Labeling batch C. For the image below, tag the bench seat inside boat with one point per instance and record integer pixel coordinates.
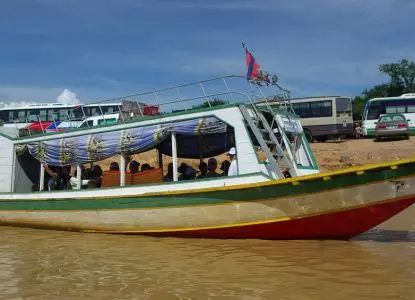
(111, 178)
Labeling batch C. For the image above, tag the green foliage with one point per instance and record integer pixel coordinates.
(402, 80)
(402, 74)
(210, 103)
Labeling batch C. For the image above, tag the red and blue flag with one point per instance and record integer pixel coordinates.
(253, 67)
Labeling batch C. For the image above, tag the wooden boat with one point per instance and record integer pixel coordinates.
(259, 202)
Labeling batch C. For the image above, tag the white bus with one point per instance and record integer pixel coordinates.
(404, 104)
(324, 117)
(57, 116)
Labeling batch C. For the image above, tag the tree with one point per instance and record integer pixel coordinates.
(214, 102)
(402, 74)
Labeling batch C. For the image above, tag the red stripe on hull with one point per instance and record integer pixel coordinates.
(338, 225)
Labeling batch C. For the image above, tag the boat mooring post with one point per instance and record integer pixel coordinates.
(122, 169)
(41, 177)
(174, 155)
(78, 177)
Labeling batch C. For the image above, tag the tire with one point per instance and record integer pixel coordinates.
(377, 139)
(322, 139)
(308, 135)
(407, 137)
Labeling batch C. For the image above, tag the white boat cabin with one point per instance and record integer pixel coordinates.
(269, 145)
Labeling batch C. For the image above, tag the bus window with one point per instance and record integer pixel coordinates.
(302, 109)
(410, 109)
(43, 115)
(395, 109)
(21, 116)
(4, 116)
(53, 115)
(11, 115)
(321, 109)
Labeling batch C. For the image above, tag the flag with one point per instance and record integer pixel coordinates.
(253, 67)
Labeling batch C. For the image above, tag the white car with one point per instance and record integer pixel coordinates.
(100, 120)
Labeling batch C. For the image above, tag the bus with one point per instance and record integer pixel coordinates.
(53, 116)
(324, 116)
(375, 107)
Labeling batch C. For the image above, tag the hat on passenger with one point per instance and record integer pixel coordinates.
(232, 151)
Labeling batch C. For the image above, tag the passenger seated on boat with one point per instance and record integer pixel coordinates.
(212, 166)
(134, 167)
(203, 169)
(225, 167)
(181, 169)
(146, 167)
(60, 177)
(169, 175)
(114, 167)
(74, 181)
(233, 168)
(189, 173)
(96, 175)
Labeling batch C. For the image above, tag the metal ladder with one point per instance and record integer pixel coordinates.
(266, 138)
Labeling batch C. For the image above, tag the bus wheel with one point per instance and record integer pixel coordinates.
(321, 139)
(308, 135)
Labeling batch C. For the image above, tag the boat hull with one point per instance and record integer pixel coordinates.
(336, 205)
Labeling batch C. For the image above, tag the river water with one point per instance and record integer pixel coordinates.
(41, 264)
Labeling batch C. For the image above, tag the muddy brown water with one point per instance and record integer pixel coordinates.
(42, 264)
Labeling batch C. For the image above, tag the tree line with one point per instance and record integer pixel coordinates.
(401, 81)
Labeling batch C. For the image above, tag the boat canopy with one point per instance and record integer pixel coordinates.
(98, 146)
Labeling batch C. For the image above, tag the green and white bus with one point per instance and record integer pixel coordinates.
(404, 104)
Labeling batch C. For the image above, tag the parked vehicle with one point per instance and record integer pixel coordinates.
(392, 125)
(99, 120)
(404, 105)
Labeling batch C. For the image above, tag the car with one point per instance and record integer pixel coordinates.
(392, 125)
(99, 120)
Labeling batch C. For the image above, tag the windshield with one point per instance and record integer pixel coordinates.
(375, 109)
(343, 105)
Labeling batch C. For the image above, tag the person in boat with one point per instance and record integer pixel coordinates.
(114, 167)
(182, 169)
(146, 167)
(169, 175)
(96, 176)
(134, 167)
(225, 167)
(189, 173)
(203, 169)
(212, 166)
(233, 168)
(59, 177)
(74, 181)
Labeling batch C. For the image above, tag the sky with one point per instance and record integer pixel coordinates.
(99, 49)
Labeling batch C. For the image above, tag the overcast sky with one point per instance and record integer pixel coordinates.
(104, 48)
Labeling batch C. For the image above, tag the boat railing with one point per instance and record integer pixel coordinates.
(206, 93)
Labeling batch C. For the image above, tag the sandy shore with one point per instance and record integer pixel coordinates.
(351, 153)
